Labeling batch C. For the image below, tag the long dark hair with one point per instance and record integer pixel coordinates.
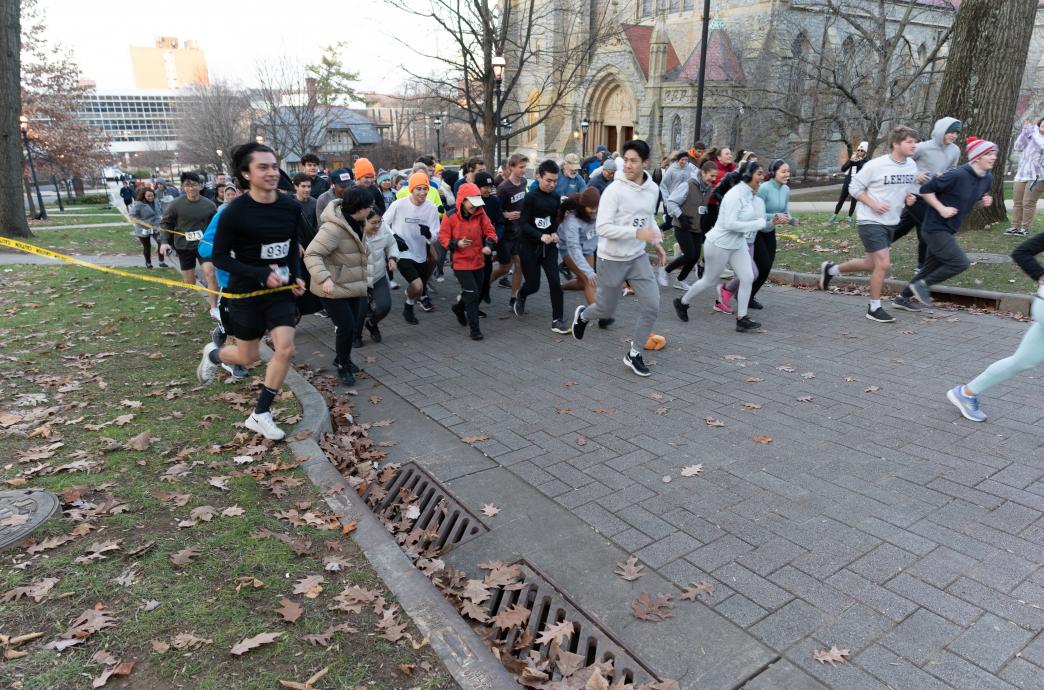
(577, 204)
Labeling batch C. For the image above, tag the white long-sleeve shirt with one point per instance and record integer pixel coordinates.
(740, 216)
(625, 208)
(404, 219)
(887, 181)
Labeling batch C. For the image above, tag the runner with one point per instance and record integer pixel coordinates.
(576, 227)
(740, 217)
(538, 247)
(950, 197)
(625, 226)
(688, 208)
(851, 167)
(340, 180)
(414, 219)
(382, 260)
(881, 188)
(511, 192)
(144, 210)
(366, 178)
(484, 182)
(470, 236)
(127, 194)
(570, 181)
(337, 262)
(1030, 352)
(256, 242)
(188, 216)
(603, 176)
(303, 195)
(310, 167)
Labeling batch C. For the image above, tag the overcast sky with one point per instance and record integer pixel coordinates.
(234, 35)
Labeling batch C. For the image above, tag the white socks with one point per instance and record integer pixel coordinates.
(409, 300)
(834, 271)
(634, 353)
(875, 304)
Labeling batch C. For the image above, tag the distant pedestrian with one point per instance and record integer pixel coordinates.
(1029, 178)
(851, 167)
(144, 210)
(127, 194)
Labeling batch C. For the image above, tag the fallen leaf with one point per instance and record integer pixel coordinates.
(558, 632)
(308, 684)
(121, 669)
(662, 411)
(805, 399)
(630, 569)
(751, 406)
(692, 470)
(568, 664)
(474, 439)
(872, 389)
(734, 358)
(832, 656)
(474, 611)
(581, 440)
(808, 375)
(786, 369)
(697, 589)
(489, 510)
(666, 479)
(123, 419)
(649, 608)
(289, 610)
(159, 646)
(139, 442)
(310, 586)
(232, 511)
(711, 421)
(512, 617)
(188, 641)
(185, 556)
(754, 379)
(323, 639)
(36, 591)
(245, 645)
(15, 520)
(248, 581)
(763, 439)
(375, 399)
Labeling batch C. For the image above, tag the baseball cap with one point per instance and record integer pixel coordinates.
(341, 177)
(483, 179)
(476, 200)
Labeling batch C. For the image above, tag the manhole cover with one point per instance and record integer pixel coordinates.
(987, 258)
(21, 512)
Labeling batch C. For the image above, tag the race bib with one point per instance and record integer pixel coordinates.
(194, 235)
(542, 223)
(702, 210)
(640, 222)
(275, 250)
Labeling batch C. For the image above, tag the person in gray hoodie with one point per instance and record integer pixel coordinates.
(626, 223)
(933, 157)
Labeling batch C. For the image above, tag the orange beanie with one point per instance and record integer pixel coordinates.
(362, 168)
(418, 179)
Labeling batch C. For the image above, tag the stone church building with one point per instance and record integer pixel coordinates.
(641, 80)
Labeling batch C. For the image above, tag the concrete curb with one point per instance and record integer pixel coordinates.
(1001, 301)
(464, 654)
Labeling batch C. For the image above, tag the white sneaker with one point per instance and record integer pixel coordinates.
(264, 425)
(393, 285)
(661, 277)
(727, 275)
(206, 369)
(215, 314)
(682, 285)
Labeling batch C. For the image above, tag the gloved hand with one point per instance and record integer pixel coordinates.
(401, 243)
(425, 232)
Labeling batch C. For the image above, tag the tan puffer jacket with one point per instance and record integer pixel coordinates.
(337, 253)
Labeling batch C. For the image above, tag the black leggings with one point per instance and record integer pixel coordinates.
(691, 243)
(345, 313)
(543, 257)
(913, 217)
(487, 273)
(146, 248)
(470, 291)
(764, 257)
(841, 201)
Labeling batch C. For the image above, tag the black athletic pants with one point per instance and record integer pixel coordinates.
(764, 257)
(535, 258)
(841, 201)
(913, 217)
(345, 313)
(470, 291)
(691, 243)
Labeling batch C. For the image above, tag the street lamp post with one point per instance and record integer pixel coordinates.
(506, 124)
(58, 193)
(24, 125)
(220, 153)
(438, 136)
(703, 72)
(498, 63)
(584, 126)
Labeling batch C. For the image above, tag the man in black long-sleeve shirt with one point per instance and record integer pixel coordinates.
(538, 245)
(257, 243)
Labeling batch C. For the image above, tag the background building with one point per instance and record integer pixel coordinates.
(168, 65)
(136, 121)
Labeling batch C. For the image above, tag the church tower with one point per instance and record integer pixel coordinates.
(652, 130)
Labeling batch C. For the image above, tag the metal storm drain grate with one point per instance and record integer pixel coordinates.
(425, 518)
(549, 606)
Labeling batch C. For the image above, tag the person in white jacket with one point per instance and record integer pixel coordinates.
(626, 224)
(741, 216)
(382, 261)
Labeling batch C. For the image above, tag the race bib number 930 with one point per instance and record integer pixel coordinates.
(275, 250)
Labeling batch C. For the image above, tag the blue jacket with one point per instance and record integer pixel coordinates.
(960, 188)
(570, 185)
(206, 247)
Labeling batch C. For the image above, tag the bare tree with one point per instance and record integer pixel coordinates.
(214, 117)
(983, 77)
(529, 33)
(12, 212)
(287, 113)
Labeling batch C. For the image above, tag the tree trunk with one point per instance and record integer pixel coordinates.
(12, 212)
(981, 84)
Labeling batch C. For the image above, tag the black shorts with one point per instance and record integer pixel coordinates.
(187, 259)
(411, 270)
(506, 248)
(875, 236)
(253, 316)
(226, 316)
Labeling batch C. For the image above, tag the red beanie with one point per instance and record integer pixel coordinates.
(979, 147)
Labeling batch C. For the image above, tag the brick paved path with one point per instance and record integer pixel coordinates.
(877, 519)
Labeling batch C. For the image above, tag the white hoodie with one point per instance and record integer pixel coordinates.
(404, 219)
(625, 207)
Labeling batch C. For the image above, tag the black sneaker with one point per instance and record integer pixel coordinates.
(504, 283)
(481, 314)
(218, 336)
(375, 333)
(519, 306)
(407, 313)
(148, 265)
(579, 324)
(754, 304)
(353, 368)
(458, 311)
(824, 274)
(746, 324)
(681, 309)
(323, 314)
(426, 304)
(357, 342)
(162, 263)
(487, 299)
(605, 323)
(879, 315)
(558, 327)
(345, 376)
(920, 290)
(511, 304)
(476, 334)
(905, 303)
(636, 363)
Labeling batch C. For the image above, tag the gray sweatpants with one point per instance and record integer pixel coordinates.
(944, 259)
(612, 275)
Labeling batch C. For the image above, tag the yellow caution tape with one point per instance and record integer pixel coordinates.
(40, 251)
(791, 236)
(150, 226)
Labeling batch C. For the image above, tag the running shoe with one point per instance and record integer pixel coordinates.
(879, 315)
(206, 369)
(426, 304)
(393, 285)
(661, 277)
(218, 336)
(754, 304)
(458, 311)
(504, 282)
(967, 404)
(725, 297)
(833, 219)
(322, 313)
(682, 285)
(606, 323)
(476, 334)
(215, 314)
(905, 304)
(746, 324)
(163, 264)
(357, 342)
(579, 325)
(681, 309)
(236, 372)
(375, 332)
(262, 423)
(407, 313)
(824, 275)
(636, 363)
(481, 314)
(345, 376)
(148, 266)
(519, 306)
(558, 326)
(920, 290)
(1018, 232)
